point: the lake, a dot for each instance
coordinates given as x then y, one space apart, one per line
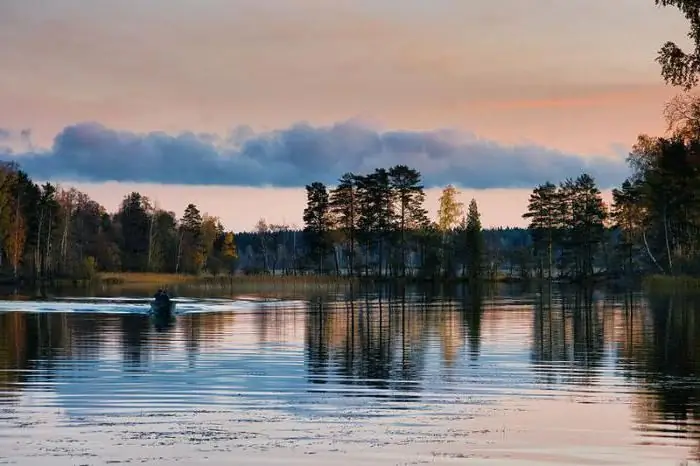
383 378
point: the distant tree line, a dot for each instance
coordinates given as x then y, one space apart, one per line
48 232
568 229
376 225
372 225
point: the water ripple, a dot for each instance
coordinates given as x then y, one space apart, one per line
401 381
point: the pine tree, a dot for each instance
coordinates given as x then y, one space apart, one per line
191 249
345 211
544 226
409 197
318 222
376 214
474 237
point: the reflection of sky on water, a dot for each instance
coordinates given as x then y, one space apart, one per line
116 369
263 376
369 359
167 382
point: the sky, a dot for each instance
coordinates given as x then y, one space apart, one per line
236 105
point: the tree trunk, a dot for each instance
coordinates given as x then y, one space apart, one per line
646 244
668 247
37 250
179 254
150 242
47 255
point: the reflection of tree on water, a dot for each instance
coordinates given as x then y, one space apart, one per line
380 340
353 342
133 331
588 325
199 331
473 312
665 358
356 343
77 348
30 343
568 328
191 334
316 348
33 342
411 355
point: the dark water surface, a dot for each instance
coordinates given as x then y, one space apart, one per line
409 378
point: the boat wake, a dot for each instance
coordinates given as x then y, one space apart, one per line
127 305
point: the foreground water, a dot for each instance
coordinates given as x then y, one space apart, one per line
376 379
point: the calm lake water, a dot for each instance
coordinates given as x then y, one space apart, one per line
409 378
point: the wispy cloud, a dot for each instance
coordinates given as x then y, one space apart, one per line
5 135
300 154
13 140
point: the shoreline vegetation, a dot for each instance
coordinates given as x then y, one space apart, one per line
147 279
665 283
154 279
168 279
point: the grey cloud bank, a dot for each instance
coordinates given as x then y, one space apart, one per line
301 154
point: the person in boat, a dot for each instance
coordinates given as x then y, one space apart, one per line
161 297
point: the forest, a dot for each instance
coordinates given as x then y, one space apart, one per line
376 225
372 225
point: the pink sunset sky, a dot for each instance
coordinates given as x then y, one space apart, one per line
235 105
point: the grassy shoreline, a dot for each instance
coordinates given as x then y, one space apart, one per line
168 279
142 283
156 278
671 283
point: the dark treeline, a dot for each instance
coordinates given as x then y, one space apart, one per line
653 224
368 225
658 208
48 232
376 225
281 249
568 229
371 225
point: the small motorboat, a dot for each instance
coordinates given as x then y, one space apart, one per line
162 308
